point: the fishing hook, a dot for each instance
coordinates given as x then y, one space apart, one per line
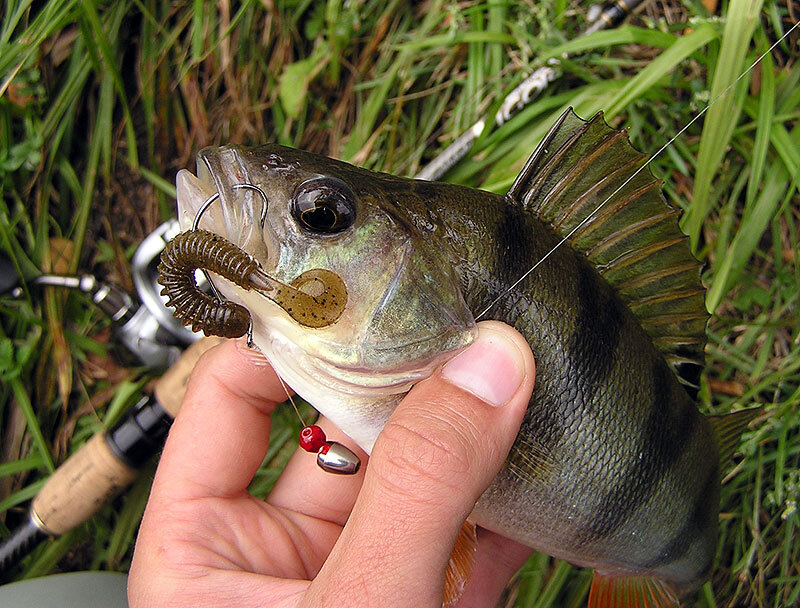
207 203
196 223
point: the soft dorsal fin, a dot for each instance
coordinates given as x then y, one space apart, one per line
633 239
728 428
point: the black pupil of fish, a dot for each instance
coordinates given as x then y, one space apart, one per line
324 205
320 218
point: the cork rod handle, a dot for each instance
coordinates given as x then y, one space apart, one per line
95 473
80 486
171 387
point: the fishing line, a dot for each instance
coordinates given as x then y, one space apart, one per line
286 390
637 172
332 456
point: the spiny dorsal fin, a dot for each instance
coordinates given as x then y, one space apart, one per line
461 564
728 428
633 239
631 592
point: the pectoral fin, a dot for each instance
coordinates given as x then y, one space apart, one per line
461 565
631 592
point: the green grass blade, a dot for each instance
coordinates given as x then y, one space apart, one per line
660 67
159 182
54 551
109 62
754 222
21 496
24 403
766 110
604 39
742 18
34 461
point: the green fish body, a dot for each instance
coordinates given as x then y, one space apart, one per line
614 467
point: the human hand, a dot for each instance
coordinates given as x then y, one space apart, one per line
382 537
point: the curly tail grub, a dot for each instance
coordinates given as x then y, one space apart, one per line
315 299
195 249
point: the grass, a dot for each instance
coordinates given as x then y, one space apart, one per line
101 104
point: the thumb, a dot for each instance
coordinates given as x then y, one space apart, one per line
435 457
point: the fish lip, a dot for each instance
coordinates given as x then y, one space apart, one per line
212 178
223 168
191 194
239 214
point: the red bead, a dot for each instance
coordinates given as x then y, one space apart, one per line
312 438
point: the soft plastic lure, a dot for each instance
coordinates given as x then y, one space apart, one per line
314 299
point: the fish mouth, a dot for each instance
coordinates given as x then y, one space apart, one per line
239 211
192 192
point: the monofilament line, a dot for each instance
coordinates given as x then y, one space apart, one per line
637 172
286 390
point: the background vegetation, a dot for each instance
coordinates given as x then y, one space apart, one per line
102 102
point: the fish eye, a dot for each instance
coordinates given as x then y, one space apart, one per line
324 205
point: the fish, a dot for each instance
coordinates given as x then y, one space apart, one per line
614 467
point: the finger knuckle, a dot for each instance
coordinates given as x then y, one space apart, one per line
424 457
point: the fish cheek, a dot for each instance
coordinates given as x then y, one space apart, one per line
422 313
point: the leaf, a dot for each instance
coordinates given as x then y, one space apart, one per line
754 222
766 110
723 115
315 23
660 67
295 80
6 357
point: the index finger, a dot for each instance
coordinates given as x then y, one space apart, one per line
221 434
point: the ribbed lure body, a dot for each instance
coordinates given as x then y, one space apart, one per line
182 256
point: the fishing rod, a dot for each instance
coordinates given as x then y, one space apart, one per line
523 94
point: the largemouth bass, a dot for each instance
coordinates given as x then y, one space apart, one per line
614 468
